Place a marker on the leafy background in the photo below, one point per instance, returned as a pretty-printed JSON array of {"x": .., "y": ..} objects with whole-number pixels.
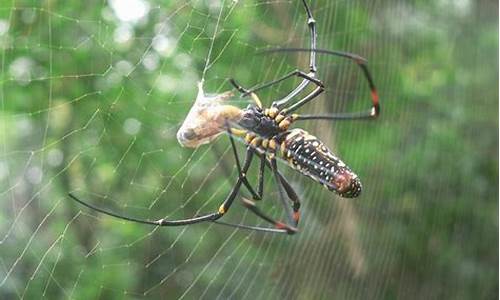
[{"x": 91, "y": 101}]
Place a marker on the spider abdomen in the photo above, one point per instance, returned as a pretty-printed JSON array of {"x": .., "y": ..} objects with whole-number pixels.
[{"x": 309, "y": 155}]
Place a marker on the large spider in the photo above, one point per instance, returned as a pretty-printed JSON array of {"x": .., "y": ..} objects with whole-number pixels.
[{"x": 267, "y": 134}]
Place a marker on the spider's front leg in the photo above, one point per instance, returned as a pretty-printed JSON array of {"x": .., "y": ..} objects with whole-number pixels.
[{"x": 280, "y": 103}]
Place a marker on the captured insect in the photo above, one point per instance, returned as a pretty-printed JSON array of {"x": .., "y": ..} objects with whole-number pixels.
[{"x": 268, "y": 136}]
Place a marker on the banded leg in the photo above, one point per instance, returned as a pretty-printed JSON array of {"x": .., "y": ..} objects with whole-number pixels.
[
  {"x": 260, "y": 187},
  {"x": 288, "y": 210},
  {"x": 241, "y": 173},
  {"x": 226, "y": 204},
  {"x": 362, "y": 63},
  {"x": 312, "y": 28},
  {"x": 315, "y": 93},
  {"x": 280, "y": 227},
  {"x": 311, "y": 23},
  {"x": 292, "y": 195},
  {"x": 246, "y": 92},
  {"x": 290, "y": 229},
  {"x": 307, "y": 77},
  {"x": 278, "y": 104},
  {"x": 262, "y": 170}
]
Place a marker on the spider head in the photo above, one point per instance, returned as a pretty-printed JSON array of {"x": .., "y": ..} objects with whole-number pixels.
[
  {"x": 251, "y": 117},
  {"x": 255, "y": 120}
]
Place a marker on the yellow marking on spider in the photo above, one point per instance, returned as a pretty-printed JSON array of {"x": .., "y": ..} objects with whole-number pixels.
[
  {"x": 265, "y": 143},
  {"x": 279, "y": 118},
  {"x": 255, "y": 142},
  {"x": 222, "y": 209},
  {"x": 272, "y": 112},
  {"x": 283, "y": 148},
  {"x": 249, "y": 137},
  {"x": 283, "y": 125},
  {"x": 272, "y": 144},
  {"x": 256, "y": 99},
  {"x": 238, "y": 132}
]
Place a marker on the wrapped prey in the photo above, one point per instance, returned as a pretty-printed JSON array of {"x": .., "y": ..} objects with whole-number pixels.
[{"x": 207, "y": 118}]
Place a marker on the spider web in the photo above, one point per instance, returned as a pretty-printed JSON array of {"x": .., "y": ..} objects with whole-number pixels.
[{"x": 92, "y": 94}]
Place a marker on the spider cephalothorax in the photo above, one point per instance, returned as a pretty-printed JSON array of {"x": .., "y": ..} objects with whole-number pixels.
[{"x": 264, "y": 123}]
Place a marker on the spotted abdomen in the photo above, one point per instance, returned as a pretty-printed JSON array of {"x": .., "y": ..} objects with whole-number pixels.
[{"x": 307, "y": 154}]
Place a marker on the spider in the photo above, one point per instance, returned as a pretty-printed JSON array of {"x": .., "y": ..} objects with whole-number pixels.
[{"x": 267, "y": 135}]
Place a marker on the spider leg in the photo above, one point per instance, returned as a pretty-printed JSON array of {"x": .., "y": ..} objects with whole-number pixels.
[
  {"x": 260, "y": 187},
  {"x": 241, "y": 173},
  {"x": 262, "y": 170},
  {"x": 312, "y": 59},
  {"x": 315, "y": 93},
  {"x": 307, "y": 77},
  {"x": 292, "y": 216},
  {"x": 362, "y": 63},
  {"x": 280, "y": 103},
  {"x": 312, "y": 28},
  {"x": 251, "y": 205},
  {"x": 293, "y": 73},
  {"x": 246, "y": 92},
  {"x": 164, "y": 222},
  {"x": 341, "y": 116},
  {"x": 293, "y": 197},
  {"x": 254, "y": 209},
  {"x": 250, "y": 227},
  {"x": 277, "y": 224}
]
